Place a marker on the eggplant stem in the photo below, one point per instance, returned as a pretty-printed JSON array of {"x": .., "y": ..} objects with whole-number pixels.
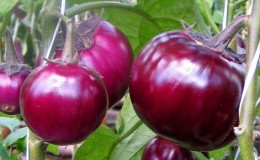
[
  {"x": 11, "y": 55},
  {"x": 68, "y": 51},
  {"x": 222, "y": 40}
]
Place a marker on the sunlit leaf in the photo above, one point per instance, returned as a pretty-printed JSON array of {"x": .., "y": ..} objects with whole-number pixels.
[
  {"x": 10, "y": 123},
  {"x": 98, "y": 145},
  {"x": 218, "y": 17},
  {"x": 132, "y": 146},
  {"x": 148, "y": 18},
  {"x": 127, "y": 117},
  {"x": 15, "y": 135}
]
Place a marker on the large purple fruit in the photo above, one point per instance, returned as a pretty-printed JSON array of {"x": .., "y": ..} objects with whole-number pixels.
[{"x": 186, "y": 92}]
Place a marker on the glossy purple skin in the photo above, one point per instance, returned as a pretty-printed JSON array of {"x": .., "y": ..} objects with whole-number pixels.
[
  {"x": 63, "y": 103},
  {"x": 160, "y": 148},
  {"x": 111, "y": 56},
  {"x": 10, "y": 87},
  {"x": 186, "y": 92}
]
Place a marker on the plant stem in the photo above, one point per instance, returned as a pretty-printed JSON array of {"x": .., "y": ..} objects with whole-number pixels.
[
  {"x": 109, "y": 4},
  {"x": 130, "y": 131},
  {"x": 68, "y": 51},
  {"x": 247, "y": 115},
  {"x": 37, "y": 148},
  {"x": 125, "y": 135},
  {"x": 221, "y": 41},
  {"x": 10, "y": 53},
  {"x": 209, "y": 17}
]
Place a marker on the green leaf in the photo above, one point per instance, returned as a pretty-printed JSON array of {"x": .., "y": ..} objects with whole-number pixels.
[
  {"x": 3, "y": 153},
  {"x": 218, "y": 16},
  {"x": 21, "y": 144},
  {"x": 10, "y": 123},
  {"x": 127, "y": 117},
  {"x": 16, "y": 135},
  {"x": 166, "y": 14},
  {"x": 6, "y": 6},
  {"x": 146, "y": 19},
  {"x": 200, "y": 24},
  {"x": 98, "y": 145},
  {"x": 131, "y": 148},
  {"x": 137, "y": 30},
  {"x": 26, "y": 5},
  {"x": 6, "y": 115},
  {"x": 209, "y": 4},
  {"x": 218, "y": 5},
  {"x": 72, "y": 2},
  {"x": 15, "y": 156}
]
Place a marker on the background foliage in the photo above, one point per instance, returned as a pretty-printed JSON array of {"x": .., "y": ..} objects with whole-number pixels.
[{"x": 140, "y": 21}]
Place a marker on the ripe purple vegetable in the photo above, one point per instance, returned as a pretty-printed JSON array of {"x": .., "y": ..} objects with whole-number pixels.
[
  {"x": 110, "y": 55},
  {"x": 10, "y": 90},
  {"x": 108, "y": 51},
  {"x": 12, "y": 75},
  {"x": 186, "y": 92},
  {"x": 63, "y": 103}
]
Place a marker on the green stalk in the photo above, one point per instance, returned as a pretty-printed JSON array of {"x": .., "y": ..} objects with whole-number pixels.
[
  {"x": 209, "y": 17},
  {"x": 109, "y": 4},
  {"x": 125, "y": 135},
  {"x": 245, "y": 129},
  {"x": 37, "y": 148},
  {"x": 130, "y": 131}
]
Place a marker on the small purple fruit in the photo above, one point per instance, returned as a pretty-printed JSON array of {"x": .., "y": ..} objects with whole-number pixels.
[
  {"x": 10, "y": 87},
  {"x": 160, "y": 148},
  {"x": 12, "y": 75}
]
